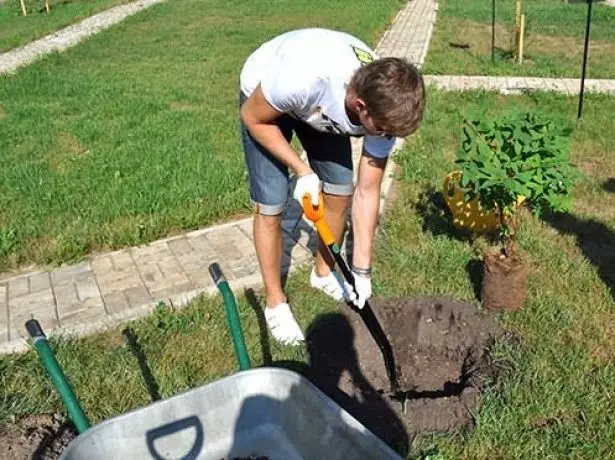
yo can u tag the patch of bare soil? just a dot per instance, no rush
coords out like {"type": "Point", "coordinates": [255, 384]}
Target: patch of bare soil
{"type": "Point", "coordinates": [441, 348]}
{"type": "Point", "coordinates": [40, 436]}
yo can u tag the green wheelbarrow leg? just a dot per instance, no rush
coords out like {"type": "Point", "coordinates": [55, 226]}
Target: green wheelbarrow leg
{"type": "Point", "coordinates": [75, 412]}
{"type": "Point", "coordinates": [232, 316]}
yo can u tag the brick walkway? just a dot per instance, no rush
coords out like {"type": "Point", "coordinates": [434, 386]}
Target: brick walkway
{"type": "Point", "coordinates": [111, 288]}
{"type": "Point", "coordinates": [512, 85]}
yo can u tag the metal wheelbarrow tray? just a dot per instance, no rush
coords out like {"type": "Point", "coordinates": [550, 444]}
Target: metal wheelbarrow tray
{"type": "Point", "coordinates": [259, 413]}
{"type": "Point", "coordinates": [264, 413]}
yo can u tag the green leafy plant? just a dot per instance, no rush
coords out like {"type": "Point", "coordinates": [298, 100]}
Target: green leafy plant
{"type": "Point", "coordinates": [519, 159]}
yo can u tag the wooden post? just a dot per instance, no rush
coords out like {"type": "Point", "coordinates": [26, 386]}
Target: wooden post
{"type": "Point", "coordinates": [23, 7]}
{"type": "Point", "coordinates": [521, 36]}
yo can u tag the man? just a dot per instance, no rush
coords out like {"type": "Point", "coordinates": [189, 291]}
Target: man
{"type": "Point", "coordinates": [324, 86]}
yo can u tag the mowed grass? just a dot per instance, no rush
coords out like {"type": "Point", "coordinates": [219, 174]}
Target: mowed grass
{"type": "Point", "coordinates": [554, 39]}
{"type": "Point", "coordinates": [555, 399]}
{"type": "Point", "coordinates": [17, 29]}
{"type": "Point", "coordinates": [105, 146]}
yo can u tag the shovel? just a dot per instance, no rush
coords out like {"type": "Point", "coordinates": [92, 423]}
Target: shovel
{"type": "Point", "coordinates": [317, 215]}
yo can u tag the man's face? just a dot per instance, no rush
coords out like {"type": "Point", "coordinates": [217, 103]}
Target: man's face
{"type": "Point", "coordinates": [368, 122]}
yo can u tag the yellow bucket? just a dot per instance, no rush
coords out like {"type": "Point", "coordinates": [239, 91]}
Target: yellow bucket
{"type": "Point", "coordinates": [469, 215]}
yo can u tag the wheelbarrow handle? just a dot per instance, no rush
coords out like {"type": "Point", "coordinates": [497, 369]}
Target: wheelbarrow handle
{"type": "Point", "coordinates": [232, 316]}
{"type": "Point", "coordinates": [56, 374]}
{"type": "Point", "coordinates": [174, 427]}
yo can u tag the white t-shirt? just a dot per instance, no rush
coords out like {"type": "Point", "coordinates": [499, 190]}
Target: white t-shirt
{"type": "Point", "coordinates": [305, 73]}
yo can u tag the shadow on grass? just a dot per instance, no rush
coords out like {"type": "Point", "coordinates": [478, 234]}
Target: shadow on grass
{"type": "Point", "coordinates": [436, 217]}
{"type": "Point", "coordinates": [262, 325]}
{"type": "Point", "coordinates": [330, 345]}
{"type": "Point", "coordinates": [475, 269]}
{"type": "Point", "coordinates": [609, 185]}
{"type": "Point", "coordinates": [595, 239]}
{"type": "Point", "coordinates": [150, 382]}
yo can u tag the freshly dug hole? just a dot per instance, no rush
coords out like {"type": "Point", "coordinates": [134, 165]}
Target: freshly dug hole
{"type": "Point", "coordinates": [441, 350]}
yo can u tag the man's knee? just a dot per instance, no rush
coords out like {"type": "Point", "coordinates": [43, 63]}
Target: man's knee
{"type": "Point", "coordinates": [341, 190]}
{"type": "Point", "coordinates": [268, 210]}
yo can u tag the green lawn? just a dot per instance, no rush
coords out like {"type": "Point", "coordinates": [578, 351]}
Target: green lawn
{"type": "Point", "coordinates": [17, 30]}
{"type": "Point", "coordinates": [105, 146]}
{"type": "Point", "coordinates": [557, 398]}
{"type": "Point", "coordinates": [554, 39]}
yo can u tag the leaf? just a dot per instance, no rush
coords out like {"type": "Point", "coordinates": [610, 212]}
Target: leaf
{"type": "Point", "coordinates": [517, 147]}
{"type": "Point", "coordinates": [484, 152]}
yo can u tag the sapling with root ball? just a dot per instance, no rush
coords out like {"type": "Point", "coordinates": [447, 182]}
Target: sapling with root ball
{"type": "Point", "coordinates": [521, 159]}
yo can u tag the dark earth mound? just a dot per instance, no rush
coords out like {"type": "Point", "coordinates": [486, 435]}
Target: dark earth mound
{"type": "Point", "coordinates": [441, 348]}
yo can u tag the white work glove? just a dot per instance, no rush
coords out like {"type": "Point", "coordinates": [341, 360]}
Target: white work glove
{"type": "Point", "coordinates": [363, 285]}
{"type": "Point", "coordinates": [310, 183]}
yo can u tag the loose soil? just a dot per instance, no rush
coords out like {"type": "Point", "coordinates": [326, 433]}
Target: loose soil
{"type": "Point", "coordinates": [36, 437]}
{"type": "Point", "coordinates": [441, 349]}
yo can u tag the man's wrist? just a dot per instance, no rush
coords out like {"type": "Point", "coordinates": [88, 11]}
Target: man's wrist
{"type": "Point", "coordinates": [302, 170]}
{"type": "Point", "coordinates": [361, 271]}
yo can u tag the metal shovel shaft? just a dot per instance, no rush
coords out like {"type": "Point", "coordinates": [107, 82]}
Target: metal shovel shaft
{"type": "Point", "coordinates": [371, 322]}
{"type": "Point", "coordinates": [317, 215]}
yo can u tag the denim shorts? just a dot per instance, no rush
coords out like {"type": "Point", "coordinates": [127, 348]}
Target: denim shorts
{"type": "Point", "coordinates": [329, 156]}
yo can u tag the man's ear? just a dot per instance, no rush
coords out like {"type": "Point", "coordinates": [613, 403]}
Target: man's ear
{"type": "Point", "coordinates": [360, 104]}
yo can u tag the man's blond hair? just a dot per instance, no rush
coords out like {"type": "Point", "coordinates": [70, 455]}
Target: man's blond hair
{"type": "Point", "coordinates": [394, 93]}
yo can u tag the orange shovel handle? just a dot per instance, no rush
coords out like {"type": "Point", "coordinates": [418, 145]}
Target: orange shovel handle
{"type": "Point", "coordinates": [317, 215]}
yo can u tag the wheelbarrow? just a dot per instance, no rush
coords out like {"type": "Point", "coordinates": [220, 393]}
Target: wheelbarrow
{"type": "Point", "coordinates": [262, 413]}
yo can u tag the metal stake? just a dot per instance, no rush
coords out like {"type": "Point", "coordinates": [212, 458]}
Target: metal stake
{"type": "Point", "coordinates": [585, 53]}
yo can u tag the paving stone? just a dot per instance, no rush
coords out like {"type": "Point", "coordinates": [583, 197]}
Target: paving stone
{"type": "Point", "coordinates": [18, 287]}
{"type": "Point", "coordinates": [164, 292]}
{"type": "Point", "coordinates": [87, 289]}
{"type": "Point", "coordinates": [161, 271]}
{"type": "Point", "coordinates": [300, 244]}
{"type": "Point", "coordinates": [66, 299]}
{"type": "Point", "coordinates": [83, 312]}
{"type": "Point", "coordinates": [196, 262]}
{"type": "Point", "coordinates": [115, 302]}
{"type": "Point", "coordinates": [294, 252]}
{"type": "Point", "coordinates": [118, 273]}
{"type": "Point", "coordinates": [40, 281]}
{"type": "Point", "coordinates": [180, 247]}
{"type": "Point", "coordinates": [236, 249]}
{"type": "Point", "coordinates": [137, 296]}
{"type": "Point", "coordinates": [4, 314]}
{"type": "Point", "coordinates": [39, 305]}
{"type": "Point", "coordinates": [69, 275]}
{"type": "Point", "coordinates": [101, 265]}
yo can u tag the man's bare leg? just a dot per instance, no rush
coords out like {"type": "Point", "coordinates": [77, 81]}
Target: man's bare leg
{"type": "Point", "coordinates": [268, 244]}
{"type": "Point", "coordinates": [336, 207]}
